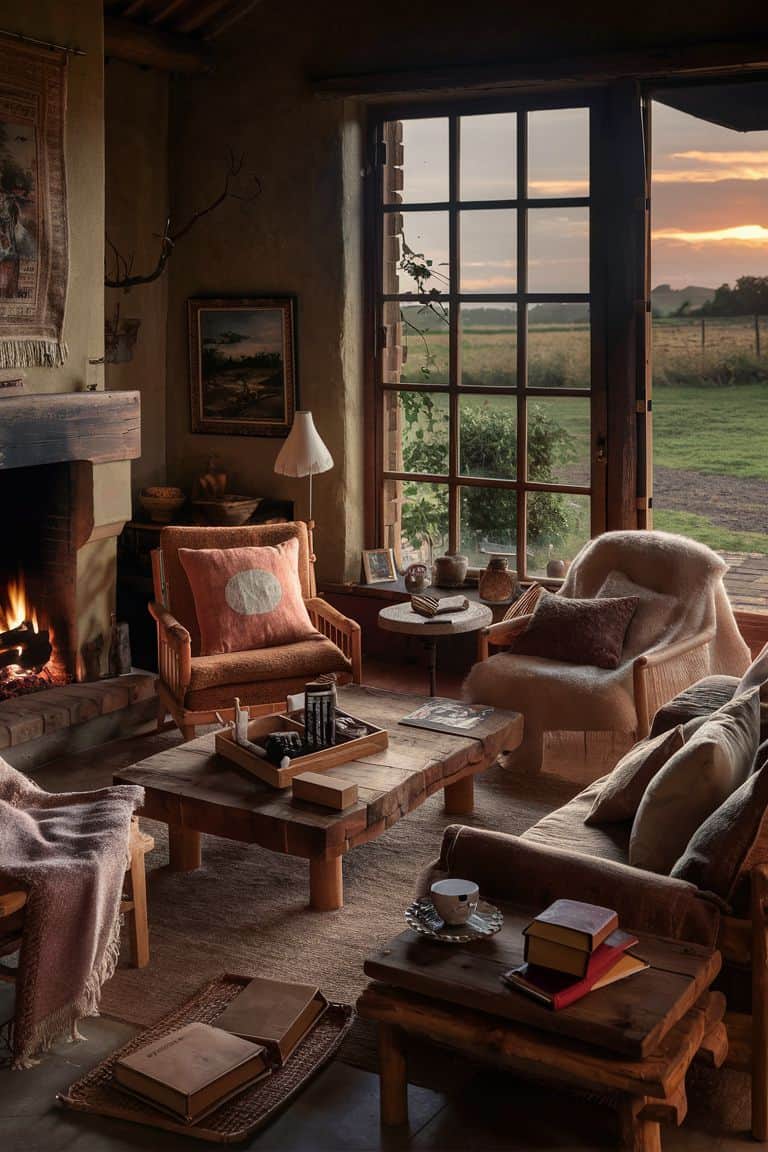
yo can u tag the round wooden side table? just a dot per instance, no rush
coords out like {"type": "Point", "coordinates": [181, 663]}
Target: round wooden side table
{"type": "Point", "coordinates": [402, 618]}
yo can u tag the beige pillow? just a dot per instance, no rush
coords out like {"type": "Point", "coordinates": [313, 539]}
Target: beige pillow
{"type": "Point", "coordinates": [620, 796]}
{"type": "Point", "coordinates": [652, 617]}
{"type": "Point", "coordinates": [694, 782]}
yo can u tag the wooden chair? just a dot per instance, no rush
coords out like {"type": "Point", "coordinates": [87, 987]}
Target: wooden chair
{"type": "Point", "coordinates": [189, 687]}
{"type": "Point", "coordinates": [133, 906]}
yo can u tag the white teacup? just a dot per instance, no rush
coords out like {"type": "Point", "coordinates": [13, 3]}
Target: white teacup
{"type": "Point", "coordinates": [455, 900]}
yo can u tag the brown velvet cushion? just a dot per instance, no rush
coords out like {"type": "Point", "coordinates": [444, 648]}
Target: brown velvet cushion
{"type": "Point", "coordinates": [247, 598]}
{"type": "Point", "coordinates": [714, 855]}
{"type": "Point", "coordinates": [756, 676]}
{"type": "Point", "coordinates": [700, 699]}
{"type": "Point", "coordinates": [620, 796]}
{"type": "Point", "coordinates": [716, 761]}
{"type": "Point", "coordinates": [263, 676]}
{"type": "Point", "coordinates": [577, 631]}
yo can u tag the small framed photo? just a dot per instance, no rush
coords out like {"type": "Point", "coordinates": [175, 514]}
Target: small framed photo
{"type": "Point", "coordinates": [242, 364]}
{"type": "Point", "coordinates": [379, 565]}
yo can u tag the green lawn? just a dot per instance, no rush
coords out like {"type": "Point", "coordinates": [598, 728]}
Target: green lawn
{"type": "Point", "coordinates": [720, 431]}
{"type": "Point", "coordinates": [702, 529]}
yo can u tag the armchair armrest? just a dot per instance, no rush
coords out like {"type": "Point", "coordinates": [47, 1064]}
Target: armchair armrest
{"type": "Point", "coordinates": [174, 651]}
{"type": "Point", "coordinates": [338, 628]}
{"type": "Point", "coordinates": [510, 868]}
{"type": "Point", "coordinates": [661, 674]}
{"type": "Point", "coordinates": [500, 634]}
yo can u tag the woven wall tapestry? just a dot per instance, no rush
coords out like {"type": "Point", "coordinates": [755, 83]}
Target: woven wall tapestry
{"type": "Point", "coordinates": [33, 206]}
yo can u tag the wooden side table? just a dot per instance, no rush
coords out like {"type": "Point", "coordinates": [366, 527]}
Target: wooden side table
{"type": "Point", "coordinates": [635, 1039]}
{"type": "Point", "coordinates": [402, 618]}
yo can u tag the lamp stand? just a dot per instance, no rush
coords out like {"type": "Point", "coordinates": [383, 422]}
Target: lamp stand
{"type": "Point", "coordinates": [310, 495]}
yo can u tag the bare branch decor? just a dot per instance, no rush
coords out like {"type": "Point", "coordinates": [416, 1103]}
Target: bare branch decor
{"type": "Point", "coordinates": [123, 275]}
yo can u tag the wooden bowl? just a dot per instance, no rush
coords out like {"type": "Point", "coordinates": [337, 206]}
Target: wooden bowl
{"type": "Point", "coordinates": [228, 511]}
{"type": "Point", "coordinates": [161, 502]}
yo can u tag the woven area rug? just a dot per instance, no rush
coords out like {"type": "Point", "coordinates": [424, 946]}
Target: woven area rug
{"type": "Point", "coordinates": [245, 911]}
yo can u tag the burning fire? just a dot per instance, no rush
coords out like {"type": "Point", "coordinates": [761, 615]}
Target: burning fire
{"type": "Point", "coordinates": [17, 611]}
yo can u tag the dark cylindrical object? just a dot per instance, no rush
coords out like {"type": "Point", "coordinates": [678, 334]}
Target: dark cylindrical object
{"type": "Point", "coordinates": [320, 715]}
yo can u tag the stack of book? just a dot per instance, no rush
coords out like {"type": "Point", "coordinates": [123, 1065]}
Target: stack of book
{"type": "Point", "coordinates": [192, 1071]}
{"type": "Point", "coordinates": [572, 948]}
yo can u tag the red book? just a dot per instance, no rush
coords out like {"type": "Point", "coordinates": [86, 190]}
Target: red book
{"type": "Point", "coordinates": [558, 989]}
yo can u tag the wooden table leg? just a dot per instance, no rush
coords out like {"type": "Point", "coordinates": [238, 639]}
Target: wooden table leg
{"type": "Point", "coordinates": [183, 848]}
{"type": "Point", "coordinates": [137, 916]}
{"type": "Point", "coordinates": [393, 1075]}
{"type": "Point", "coordinates": [326, 884]}
{"type": "Point", "coordinates": [460, 797]}
{"type": "Point", "coordinates": [638, 1134]}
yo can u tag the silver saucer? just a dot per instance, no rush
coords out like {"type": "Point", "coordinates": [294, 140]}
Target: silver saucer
{"type": "Point", "coordinates": [423, 918]}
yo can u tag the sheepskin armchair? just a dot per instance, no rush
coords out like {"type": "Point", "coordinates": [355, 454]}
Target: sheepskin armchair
{"type": "Point", "coordinates": [683, 629]}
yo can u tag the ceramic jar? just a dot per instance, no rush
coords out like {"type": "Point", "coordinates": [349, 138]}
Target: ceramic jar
{"type": "Point", "coordinates": [556, 569]}
{"type": "Point", "coordinates": [450, 570]}
{"type": "Point", "coordinates": [416, 578]}
{"type": "Point", "coordinates": [498, 582]}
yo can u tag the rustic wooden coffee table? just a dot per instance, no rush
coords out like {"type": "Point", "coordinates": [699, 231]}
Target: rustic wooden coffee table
{"type": "Point", "coordinates": [635, 1039]}
{"type": "Point", "coordinates": [193, 790]}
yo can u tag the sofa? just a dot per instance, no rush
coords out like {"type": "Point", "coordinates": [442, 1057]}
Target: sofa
{"type": "Point", "coordinates": [561, 856]}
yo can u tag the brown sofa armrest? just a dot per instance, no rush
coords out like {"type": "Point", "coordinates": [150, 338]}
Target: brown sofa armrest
{"type": "Point", "coordinates": [174, 651]}
{"type": "Point", "coordinates": [344, 633]}
{"type": "Point", "coordinates": [508, 868]}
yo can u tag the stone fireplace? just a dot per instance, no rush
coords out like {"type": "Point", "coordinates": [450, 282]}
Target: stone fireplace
{"type": "Point", "coordinates": [65, 495]}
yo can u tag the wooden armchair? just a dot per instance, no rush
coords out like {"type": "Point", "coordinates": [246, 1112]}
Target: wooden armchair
{"type": "Point", "coordinates": [194, 688]}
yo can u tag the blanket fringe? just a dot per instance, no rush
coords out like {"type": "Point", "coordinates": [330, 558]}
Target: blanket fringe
{"type": "Point", "coordinates": [64, 1020]}
{"type": "Point", "coordinates": [36, 353]}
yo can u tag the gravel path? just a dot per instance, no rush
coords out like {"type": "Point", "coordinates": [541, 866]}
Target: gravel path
{"type": "Point", "coordinates": [730, 501]}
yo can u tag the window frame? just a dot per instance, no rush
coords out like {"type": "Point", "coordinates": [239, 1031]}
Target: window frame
{"type": "Point", "coordinates": [377, 476]}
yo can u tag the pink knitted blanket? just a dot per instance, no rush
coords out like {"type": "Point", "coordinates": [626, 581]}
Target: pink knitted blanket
{"type": "Point", "coordinates": [69, 852]}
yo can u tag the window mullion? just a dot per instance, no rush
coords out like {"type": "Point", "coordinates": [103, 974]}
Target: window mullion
{"type": "Point", "coordinates": [454, 362]}
{"type": "Point", "coordinates": [522, 337]}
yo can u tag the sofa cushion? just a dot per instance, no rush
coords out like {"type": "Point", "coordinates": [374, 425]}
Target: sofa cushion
{"type": "Point", "coordinates": [577, 631]}
{"type": "Point", "coordinates": [620, 796]}
{"type": "Point", "coordinates": [700, 699]}
{"type": "Point", "coordinates": [283, 661]}
{"type": "Point", "coordinates": [756, 676]}
{"type": "Point", "coordinates": [247, 598]}
{"type": "Point", "coordinates": [652, 616]}
{"type": "Point", "coordinates": [715, 854]}
{"type": "Point", "coordinates": [694, 782]}
{"type": "Point", "coordinates": [565, 828]}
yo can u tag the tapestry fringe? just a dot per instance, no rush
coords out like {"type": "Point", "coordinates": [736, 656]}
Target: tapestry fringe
{"type": "Point", "coordinates": [32, 353]}
{"type": "Point", "coordinates": [65, 1019]}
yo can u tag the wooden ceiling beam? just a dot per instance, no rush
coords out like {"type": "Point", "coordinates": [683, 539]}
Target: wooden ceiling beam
{"type": "Point", "coordinates": [200, 14]}
{"type": "Point", "coordinates": [153, 47]}
{"type": "Point", "coordinates": [237, 10]}
{"type": "Point", "coordinates": [165, 11]}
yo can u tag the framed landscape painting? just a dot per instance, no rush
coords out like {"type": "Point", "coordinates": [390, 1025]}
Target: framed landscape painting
{"type": "Point", "coordinates": [242, 365]}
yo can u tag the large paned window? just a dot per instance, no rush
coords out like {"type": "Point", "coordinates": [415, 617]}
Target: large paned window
{"type": "Point", "coordinates": [484, 405]}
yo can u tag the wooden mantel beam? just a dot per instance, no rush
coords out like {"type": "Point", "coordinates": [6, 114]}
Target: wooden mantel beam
{"type": "Point", "coordinates": [154, 48]}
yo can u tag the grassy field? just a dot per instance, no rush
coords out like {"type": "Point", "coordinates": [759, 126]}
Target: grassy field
{"type": "Point", "coordinates": [710, 408]}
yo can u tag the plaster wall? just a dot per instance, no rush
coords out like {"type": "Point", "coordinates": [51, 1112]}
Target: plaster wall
{"type": "Point", "coordinates": [136, 113]}
{"type": "Point", "coordinates": [80, 24]}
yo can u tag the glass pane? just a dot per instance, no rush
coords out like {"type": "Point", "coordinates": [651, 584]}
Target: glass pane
{"type": "Point", "coordinates": [416, 432]}
{"type": "Point", "coordinates": [423, 342]}
{"type": "Point", "coordinates": [489, 345]}
{"type": "Point", "coordinates": [423, 513]}
{"type": "Point", "coordinates": [558, 525]}
{"type": "Point", "coordinates": [488, 524]}
{"type": "Point", "coordinates": [425, 160]}
{"type": "Point", "coordinates": [558, 250]}
{"type": "Point", "coordinates": [415, 252]}
{"type": "Point", "coordinates": [488, 251]}
{"type": "Point", "coordinates": [558, 346]}
{"type": "Point", "coordinates": [488, 157]}
{"type": "Point", "coordinates": [558, 440]}
{"type": "Point", "coordinates": [488, 437]}
{"type": "Point", "coordinates": [558, 152]}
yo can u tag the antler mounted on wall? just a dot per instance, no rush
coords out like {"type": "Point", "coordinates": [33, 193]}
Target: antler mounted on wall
{"type": "Point", "coordinates": [123, 275]}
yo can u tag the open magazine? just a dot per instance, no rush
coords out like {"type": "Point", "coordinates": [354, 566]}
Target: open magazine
{"type": "Point", "coordinates": [451, 716]}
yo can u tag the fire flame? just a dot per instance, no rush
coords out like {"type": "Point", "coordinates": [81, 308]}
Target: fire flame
{"type": "Point", "coordinates": [17, 609]}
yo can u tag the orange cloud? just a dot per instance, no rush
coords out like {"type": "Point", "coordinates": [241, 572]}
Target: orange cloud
{"type": "Point", "coordinates": [723, 157]}
{"type": "Point", "coordinates": [753, 235]}
{"type": "Point", "coordinates": [716, 166]}
{"type": "Point", "coordinates": [559, 187]}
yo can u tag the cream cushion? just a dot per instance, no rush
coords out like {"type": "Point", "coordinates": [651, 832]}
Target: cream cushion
{"type": "Point", "coordinates": [695, 781]}
{"type": "Point", "coordinates": [652, 617]}
{"type": "Point", "coordinates": [623, 790]}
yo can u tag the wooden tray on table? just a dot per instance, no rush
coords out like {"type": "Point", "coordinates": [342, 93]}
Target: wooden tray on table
{"type": "Point", "coordinates": [341, 753]}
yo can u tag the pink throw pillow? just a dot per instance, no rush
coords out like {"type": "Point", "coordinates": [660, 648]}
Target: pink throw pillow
{"type": "Point", "coordinates": [247, 597]}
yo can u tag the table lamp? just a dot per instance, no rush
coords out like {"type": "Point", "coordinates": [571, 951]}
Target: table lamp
{"type": "Point", "coordinates": [303, 453]}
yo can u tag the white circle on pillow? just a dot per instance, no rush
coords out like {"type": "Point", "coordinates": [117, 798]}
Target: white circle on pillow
{"type": "Point", "coordinates": [253, 592]}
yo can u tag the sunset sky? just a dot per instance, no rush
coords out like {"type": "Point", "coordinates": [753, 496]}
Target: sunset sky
{"type": "Point", "coordinates": [710, 200]}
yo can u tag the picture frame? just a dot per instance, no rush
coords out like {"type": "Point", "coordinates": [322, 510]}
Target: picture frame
{"type": "Point", "coordinates": [242, 365]}
{"type": "Point", "coordinates": [379, 565]}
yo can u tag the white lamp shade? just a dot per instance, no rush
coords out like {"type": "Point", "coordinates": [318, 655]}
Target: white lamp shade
{"type": "Point", "coordinates": [303, 453]}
